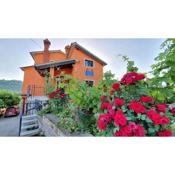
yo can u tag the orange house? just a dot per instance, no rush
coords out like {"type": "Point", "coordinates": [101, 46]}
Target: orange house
{"type": "Point", "coordinates": [76, 61]}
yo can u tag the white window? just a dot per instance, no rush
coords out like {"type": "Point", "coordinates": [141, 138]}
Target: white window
{"type": "Point", "coordinates": [89, 63]}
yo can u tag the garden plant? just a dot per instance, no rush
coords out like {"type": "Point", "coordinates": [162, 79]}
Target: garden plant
{"type": "Point", "coordinates": [129, 110]}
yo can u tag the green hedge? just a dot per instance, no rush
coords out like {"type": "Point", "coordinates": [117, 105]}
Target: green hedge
{"type": "Point", "coordinates": [8, 99]}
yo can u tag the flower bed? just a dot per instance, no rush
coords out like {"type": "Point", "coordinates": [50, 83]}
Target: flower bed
{"type": "Point", "coordinates": [129, 110]}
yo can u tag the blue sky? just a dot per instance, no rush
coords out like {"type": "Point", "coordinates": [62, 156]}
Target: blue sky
{"type": "Point", "coordinates": [14, 53]}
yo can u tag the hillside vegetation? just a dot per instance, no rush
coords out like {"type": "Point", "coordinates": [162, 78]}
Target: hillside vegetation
{"type": "Point", "coordinates": [11, 85]}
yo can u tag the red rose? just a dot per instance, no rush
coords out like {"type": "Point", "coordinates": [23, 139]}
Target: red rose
{"type": "Point", "coordinates": [161, 107]}
{"type": "Point", "coordinates": [139, 131]}
{"type": "Point", "coordinates": [154, 116]}
{"type": "Point", "coordinates": [164, 120]}
{"type": "Point", "coordinates": [118, 102]}
{"type": "Point", "coordinates": [126, 131]}
{"type": "Point", "coordinates": [165, 133]}
{"type": "Point", "coordinates": [117, 134]}
{"type": "Point", "coordinates": [140, 77]}
{"type": "Point", "coordinates": [173, 111]}
{"type": "Point", "coordinates": [116, 86]}
{"type": "Point", "coordinates": [131, 130]}
{"type": "Point", "coordinates": [146, 99]}
{"type": "Point", "coordinates": [57, 91]}
{"type": "Point", "coordinates": [103, 121]}
{"type": "Point", "coordinates": [137, 107]}
{"type": "Point", "coordinates": [111, 113]}
{"type": "Point", "coordinates": [52, 95]}
{"type": "Point", "coordinates": [129, 78]}
{"type": "Point", "coordinates": [119, 118]}
{"type": "Point", "coordinates": [62, 95]}
{"type": "Point", "coordinates": [103, 98]}
{"type": "Point", "coordinates": [106, 105]}
{"type": "Point", "coordinates": [132, 125]}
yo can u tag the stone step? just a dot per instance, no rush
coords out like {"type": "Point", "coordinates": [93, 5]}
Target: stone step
{"type": "Point", "coordinates": [30, 132]}
{"type": "Point", "coordinates": [29, 121]}
{"type": "Point", "coordinates": [27, 117]}
{"type": "Point", "coordinates": [30, 127]}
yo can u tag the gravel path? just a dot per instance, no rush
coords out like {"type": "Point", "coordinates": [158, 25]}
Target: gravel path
{"type": "Point", "coordinates": [9, 126]}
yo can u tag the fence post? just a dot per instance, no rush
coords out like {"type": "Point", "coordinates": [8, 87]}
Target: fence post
{"type": "Point", "coordinates": [22, 112]}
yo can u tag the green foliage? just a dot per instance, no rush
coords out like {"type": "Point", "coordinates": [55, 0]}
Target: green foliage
{"type": "Point", "coordinates": [86, 101]}
{"type": "Point", "coordinates": [11, 85]}
{"type": "Point", "coordinates": [8, 99]}
{"type": "Point", "coordinates": [2, 104]}
{"type": "Point", "coordinates": [79, 111]}
{"type": "Point", "coordinates": [69, 119]}
{"type": "Point", "coordinates": [106, 82]}
{"type": "Point", "coordinates": [163, 81]}
{"type": "Point", "coordinates": [48, 84]}
{"type": "Point", "coordinates": [130, 64]}
{"type": "Point", "coordinates": [85, 97]}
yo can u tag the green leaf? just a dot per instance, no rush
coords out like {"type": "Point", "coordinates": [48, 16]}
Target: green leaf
{"type": "Point", "coordinates": [139, 116]}
{"type": "Point", "coordinates": [117, 128]}
{"type": "Point", "coordinates": [157, 127]}
{"type": "Point", "coordinates": [124, 109]}
{"type": "Point", "coordinates": [129, 118]}
{"type": "Point", "coordinates": [148, 120]}
{"type": "Point", "coordinates": [151, 130]}
{"type": "Point", "coordinates": [143, 117]}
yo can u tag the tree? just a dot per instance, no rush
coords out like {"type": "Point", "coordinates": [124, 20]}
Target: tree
{"type": "Point", "coordinates": [163, 82]}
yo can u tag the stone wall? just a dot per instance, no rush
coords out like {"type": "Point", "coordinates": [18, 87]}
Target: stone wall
{"type": "Point", "coordinates": [50, 129]}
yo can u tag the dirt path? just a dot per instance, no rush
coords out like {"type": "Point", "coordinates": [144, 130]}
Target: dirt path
{"type": "Point", "coordinates": [9, 126]}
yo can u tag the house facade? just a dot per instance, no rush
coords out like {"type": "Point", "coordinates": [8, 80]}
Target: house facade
{"type": "Point", "coordinates": [76, 61]}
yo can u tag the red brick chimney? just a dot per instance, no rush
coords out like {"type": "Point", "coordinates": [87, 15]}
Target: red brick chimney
{"type": "Point", "coordinates": [67, 48]}
{"type": "Point", "coordinates": [47, 44]}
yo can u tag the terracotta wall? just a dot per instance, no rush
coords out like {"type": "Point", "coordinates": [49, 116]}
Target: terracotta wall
{"type": "Point", "coordinates": [32, 77]}
{"type": "Point", "coordinates": [79, 68]}
{"type": "Point", "coordinates": [53, 56]}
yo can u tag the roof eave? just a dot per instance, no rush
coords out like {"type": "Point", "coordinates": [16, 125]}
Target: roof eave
{"type": "Point", "coordinates": [23, 68]}
{"type": "Point", "coordinates": [57, 64]}
{"type": "Point", "coordinates": [88, 52]}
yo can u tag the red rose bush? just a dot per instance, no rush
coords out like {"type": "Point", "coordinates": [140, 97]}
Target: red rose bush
{"type": "Point", "coordinates": [58, 93]}
{"type": "Point", "coordinates": [57, 99]}
{"type": "Point", "coordinates": [128, 110]}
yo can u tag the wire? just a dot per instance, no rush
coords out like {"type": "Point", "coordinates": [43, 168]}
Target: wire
{"type": "Point", "coordinates": [36, 43]}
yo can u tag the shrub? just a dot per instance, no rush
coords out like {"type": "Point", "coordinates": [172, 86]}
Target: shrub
{"type": "Point", "coordinates": [2, 105]}
{"type": "Point", "coordinates": [130, 111]}
{"type": "Point", "coordinates": [77, 112]}
{"type": "Point", "coordinates": [8, 99]}
{"type": "Point", "coordinates": [86, 103]}
{"type": "Point", "coordinates": [58, 100]}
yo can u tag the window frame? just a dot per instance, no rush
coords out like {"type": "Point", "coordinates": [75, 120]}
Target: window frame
{"type": "Point", "coordinates": [91, 81]}
{"type": "Point", "coordinates": [89, 60]}
{"type": "Point", "coordinates": [91, 72]}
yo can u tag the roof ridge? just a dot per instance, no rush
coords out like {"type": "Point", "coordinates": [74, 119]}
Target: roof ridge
{"type": "Point", "coordinates": [41, 51]}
